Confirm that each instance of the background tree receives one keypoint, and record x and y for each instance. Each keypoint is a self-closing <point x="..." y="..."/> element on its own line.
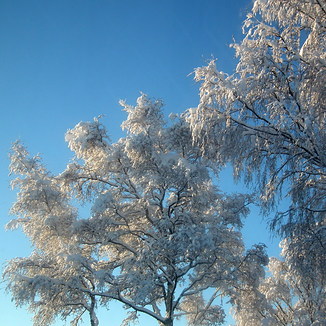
<point x="46" y="280"/>
<point x="268" y="118"/>
<point x="287" y="296"/>
<point x="161" y="238"/>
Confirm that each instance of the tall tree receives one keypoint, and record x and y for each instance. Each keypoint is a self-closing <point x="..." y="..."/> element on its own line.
<point x="268" y="118"/>
<point x="161" y="238"/>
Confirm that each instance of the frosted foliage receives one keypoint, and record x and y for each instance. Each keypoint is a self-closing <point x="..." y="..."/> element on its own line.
<point x="293" y="294"/>
<point x="48" y="284"/>
<point x="46" y="281"/>
<point x="42" y="209"/>
<point x="158" y="235"/>
<point x="145" y="117"/>
<point x="268" y="118"/>
<point x="248" y="302"/>
<point x="199" y="314"/>
<point x="86" y="137"/>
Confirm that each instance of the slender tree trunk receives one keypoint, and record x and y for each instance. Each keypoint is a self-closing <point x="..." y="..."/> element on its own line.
<point x="92" y="314"/>
<point x="94" y="320"/>
<point x="168" y="321"/>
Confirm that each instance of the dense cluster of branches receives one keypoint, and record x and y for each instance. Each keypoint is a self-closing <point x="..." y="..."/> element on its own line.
<point x="161" y="238"/>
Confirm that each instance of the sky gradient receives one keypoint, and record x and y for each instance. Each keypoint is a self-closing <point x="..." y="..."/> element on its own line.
<point x="62" y="62"/>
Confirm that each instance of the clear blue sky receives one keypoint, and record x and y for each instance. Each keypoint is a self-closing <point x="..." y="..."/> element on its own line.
<point x="67" y="61"/>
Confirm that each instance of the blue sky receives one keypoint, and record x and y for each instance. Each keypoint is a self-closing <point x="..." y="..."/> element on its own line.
<point x="62" y="62"/>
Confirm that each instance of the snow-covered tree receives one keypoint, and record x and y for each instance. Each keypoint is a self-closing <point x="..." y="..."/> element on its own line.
<point x="269" y="120"/>
<point x="161" y="238"/>
<point x="293" y="294"/>
<point x="269" y="117"/>
<point x="46" y="280"/>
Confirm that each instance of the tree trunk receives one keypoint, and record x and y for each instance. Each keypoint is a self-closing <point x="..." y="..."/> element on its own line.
<point x="94" y="320"/>
<point x="167" y="322"/>
<point x="92" y="314"/>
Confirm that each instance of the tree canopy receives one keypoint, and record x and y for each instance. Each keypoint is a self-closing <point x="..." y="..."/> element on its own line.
<point x="159" y="234"/>
<point x="268" y="118"/>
